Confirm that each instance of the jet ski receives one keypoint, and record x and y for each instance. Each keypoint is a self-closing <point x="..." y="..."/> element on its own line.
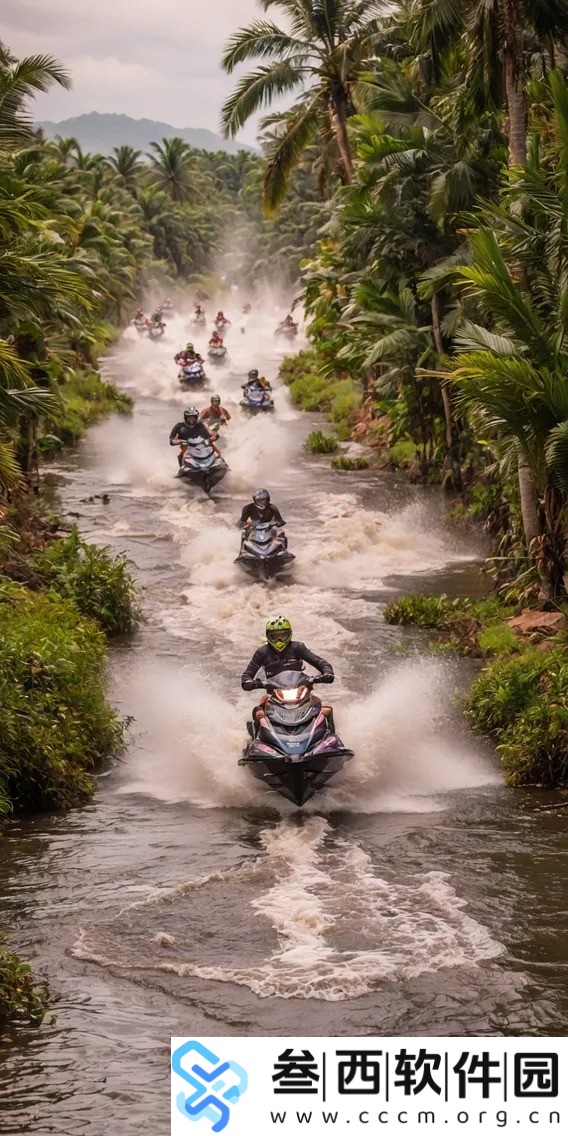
<point x="192" y="376"/>
<point x="141" y="325"/>
<point x="199" y="319"/>
<point x="167" y="306"/>
<point x="201" y="465"/>
<point x="288" y="330"/>
<point x="264" y="551"/>
<point x="217" y="354"/>
<point x="292" y="749"/>
<point x="255" y="399"/>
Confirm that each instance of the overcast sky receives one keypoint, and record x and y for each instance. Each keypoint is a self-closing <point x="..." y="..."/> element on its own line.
<point x="146" y="58"/>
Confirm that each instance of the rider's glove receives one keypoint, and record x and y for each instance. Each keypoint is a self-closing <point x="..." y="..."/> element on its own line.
<point x="329" y="677"/>
<point x="248" y="684"/>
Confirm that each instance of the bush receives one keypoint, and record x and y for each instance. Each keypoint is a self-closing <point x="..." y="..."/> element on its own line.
<point x="56" y="726"/>
<point x="349" y="463"/>
<point x="100" y="584"/>
<point x="338" y="398"/>
<point x="522" y="705"/>
<point x="86" y="399"/>
<point x="319" y="443"/>
<point x="418" y="610"/>
<point x="23" y="1000"/>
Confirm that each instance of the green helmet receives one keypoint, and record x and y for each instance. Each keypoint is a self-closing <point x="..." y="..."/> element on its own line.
<point x="278" y="632"/>
<point x="189" y="346"/>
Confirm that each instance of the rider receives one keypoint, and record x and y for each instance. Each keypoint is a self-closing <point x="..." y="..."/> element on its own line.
<point x="247" y="308"/>
<point x="254" y="381"/>
<point x="156" y="316"/>
<point x="198" y="310"/>
<point x="215" y="413"/>
<point x="187" y="356"/>
<point x="282" y="653"/>
<point x="221" y="318"/>
<point x="190" y="430"/>
<point x="261" y="509"/>
<point x="139" y="314"/>
<point x="216" y="340"/>
<point x="289" y="322"/>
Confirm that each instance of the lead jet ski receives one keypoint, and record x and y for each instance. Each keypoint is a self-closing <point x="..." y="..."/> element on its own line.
<point x="264" y="551"/>
<point x="201" y="465"/>
<point x="293" y="749"/>
<point x="192" y="376"/>
<point x="217" y="352"/>
<point x="256" y="399"/>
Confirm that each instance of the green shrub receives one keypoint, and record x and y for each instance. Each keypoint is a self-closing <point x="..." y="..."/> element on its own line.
<point x="99" y="584"/>
<point x="403" y="452"/>
<point x="311" y="392"/>
<point x="86" y="399"/>
<point x="23" y="1000"/>
<point x="320" y="443"/>
<point x="350" y="463"/>
<point x="338" y="398"/>
<point x="522" y="705"/>
<point x="55" y="723"/>
<point x="498" y="639"/>
<point x="418" y="610"/>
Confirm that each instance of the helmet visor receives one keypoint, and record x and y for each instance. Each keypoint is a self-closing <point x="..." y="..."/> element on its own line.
<point x="279" y="639"/>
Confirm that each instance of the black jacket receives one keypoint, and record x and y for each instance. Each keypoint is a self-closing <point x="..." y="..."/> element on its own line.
<point x="252" y="513"/>
<point x="290" y="659"/>
<point x="182" y="430"/>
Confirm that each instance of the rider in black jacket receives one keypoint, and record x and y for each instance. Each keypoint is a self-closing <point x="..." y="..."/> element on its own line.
<point x="282" y="653"/>
<point x="189" y="430"/>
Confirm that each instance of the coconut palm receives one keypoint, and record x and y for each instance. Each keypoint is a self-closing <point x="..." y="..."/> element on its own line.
<point x="19" y="81"/>
<point x="127" y="164"/>
<point x="492" y="36"/>
<point x="319" y="56"/>
<point x="171" y="168"/>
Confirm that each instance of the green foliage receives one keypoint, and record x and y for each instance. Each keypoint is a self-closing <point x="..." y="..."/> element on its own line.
<point x="522" y="705"/>
<point x="402" y="452"/>
<point x="349" y="463"/>
<point x="87" y="398"/>
<point x="55" y="724"/>
<point x="312" y="389"/>
<point x="417" y="610"/>
<point x="319" y="443"/>
<point x="497" y="639"/>
<point x="99" y="584"/>
<point x="23" y="1000"/>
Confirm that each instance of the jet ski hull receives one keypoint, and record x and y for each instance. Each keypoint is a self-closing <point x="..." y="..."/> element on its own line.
<point x="296" y="778"/>
<point x="265" y="567"/>
<point x="192" y="382"/>
<point x="206" y="479"/>
<point x="256" y="407"/>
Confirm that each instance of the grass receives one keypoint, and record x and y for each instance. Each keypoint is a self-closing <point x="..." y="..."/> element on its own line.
<point x="86" y="399"/>
<point x="522" y="705"/>
<point x="338" y="398"/>
<point x="349" y="463"/>
<point x="23" y="1000"/>
<point x="98" y="583"/>
<point x="55" y="723"/>
<point x="319" y="443"/>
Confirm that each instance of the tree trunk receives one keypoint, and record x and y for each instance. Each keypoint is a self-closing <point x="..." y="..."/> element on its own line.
<point x="448" y="416"/>
<point x="339" y="123"/>
<point x="552" y="548"/>
<point x="529" y="504"/>
<point x="514" y="72"/>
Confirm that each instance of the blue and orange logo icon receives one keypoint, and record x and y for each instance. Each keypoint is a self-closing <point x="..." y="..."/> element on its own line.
<point x="215" y="1089"/>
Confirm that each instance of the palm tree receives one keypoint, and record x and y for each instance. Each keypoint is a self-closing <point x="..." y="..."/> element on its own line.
<point x="19" y="81"/>
<point x="493" y="36"/>
<point x="321" y="56"/>
<point x="171" y="167"/>
<point x="127" y="164"/>
<point x="512" y="370"/>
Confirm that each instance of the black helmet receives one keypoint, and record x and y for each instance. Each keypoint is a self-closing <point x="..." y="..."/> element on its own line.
<point x="261" y="498"/>
<point x="253" y="374"/>
<point x="191" y="412"/>
<point x="215" y="400"/>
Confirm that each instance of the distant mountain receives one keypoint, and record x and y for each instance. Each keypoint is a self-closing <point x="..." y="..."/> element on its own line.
<point x="99" y="133"/>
